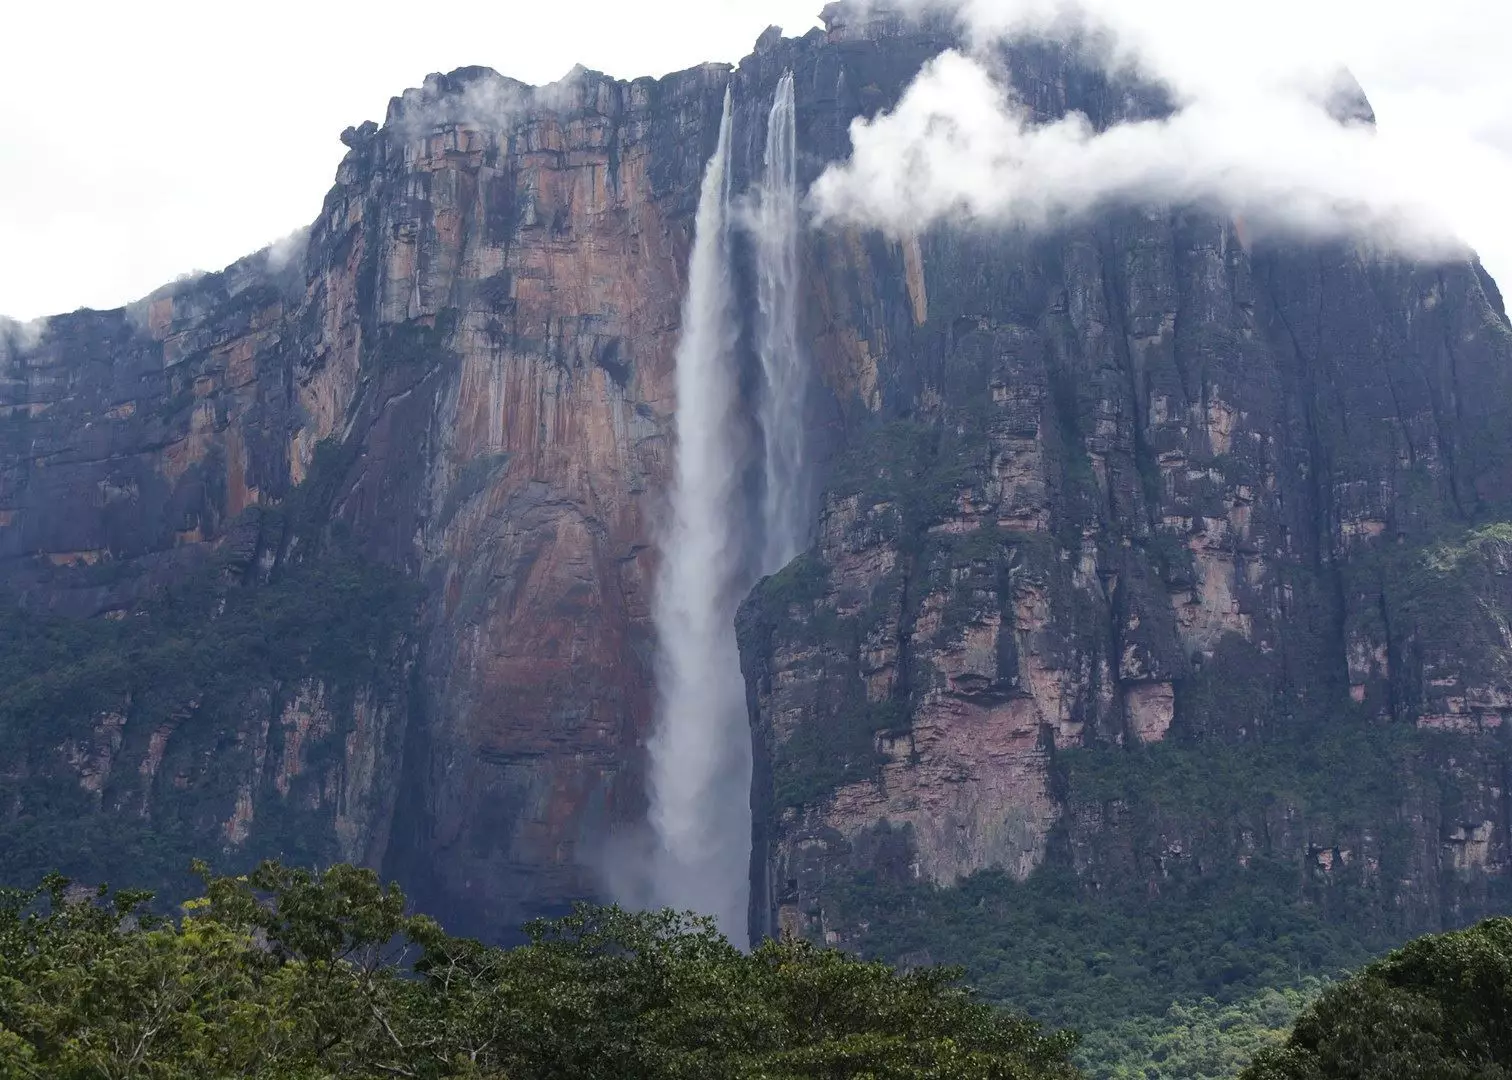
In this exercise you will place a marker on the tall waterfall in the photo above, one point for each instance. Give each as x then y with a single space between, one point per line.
775 229
701 750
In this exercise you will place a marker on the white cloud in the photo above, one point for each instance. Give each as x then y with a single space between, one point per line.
958 145
173 134
1250 135
490 99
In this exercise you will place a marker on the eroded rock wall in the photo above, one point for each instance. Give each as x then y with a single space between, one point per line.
464 375
1140 484
1145 482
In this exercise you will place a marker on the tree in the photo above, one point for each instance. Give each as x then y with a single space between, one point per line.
294 974
1439 1007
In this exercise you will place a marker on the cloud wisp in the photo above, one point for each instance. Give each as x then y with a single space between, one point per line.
18 337
1256 131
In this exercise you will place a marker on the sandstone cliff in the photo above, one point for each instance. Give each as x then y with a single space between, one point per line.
464 376
1148 553
1140 486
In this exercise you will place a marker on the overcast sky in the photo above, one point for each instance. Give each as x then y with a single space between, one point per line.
143 140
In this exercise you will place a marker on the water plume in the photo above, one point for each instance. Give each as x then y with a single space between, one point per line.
700 769
774 225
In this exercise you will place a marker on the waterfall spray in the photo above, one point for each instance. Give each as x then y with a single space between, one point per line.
700 774
700 752
775 228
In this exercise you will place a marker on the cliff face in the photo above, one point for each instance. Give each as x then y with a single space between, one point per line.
1155 488
1136 485
463 373
529 272
1148 554
464 376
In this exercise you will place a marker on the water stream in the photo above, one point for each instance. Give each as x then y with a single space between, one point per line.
701 751
785 377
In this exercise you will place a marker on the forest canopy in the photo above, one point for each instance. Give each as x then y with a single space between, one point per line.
1439 1007
292 974
307 975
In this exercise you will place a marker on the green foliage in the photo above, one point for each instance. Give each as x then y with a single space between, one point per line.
1110 948
966 568
917 471
199 663
1172 557
1182 904
1451 593
1095 961
1447 557
284 973
1202 1041
920 468
834 745
828 750
1113 960
803 581
1441 1007
1348 772
309 504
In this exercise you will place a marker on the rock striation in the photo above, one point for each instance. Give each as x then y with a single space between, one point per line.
465 375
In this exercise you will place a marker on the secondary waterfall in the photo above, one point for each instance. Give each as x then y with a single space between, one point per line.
775 231
701 750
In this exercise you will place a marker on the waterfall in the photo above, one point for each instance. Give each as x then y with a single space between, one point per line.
700 769
775 228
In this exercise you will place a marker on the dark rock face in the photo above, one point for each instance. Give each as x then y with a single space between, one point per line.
1136 484
1077 489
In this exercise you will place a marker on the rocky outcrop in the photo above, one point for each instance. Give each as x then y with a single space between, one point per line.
463 371
236 713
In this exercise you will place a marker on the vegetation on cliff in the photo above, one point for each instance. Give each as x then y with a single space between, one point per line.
1185 985
197 667
1195 891
286 973
1177 964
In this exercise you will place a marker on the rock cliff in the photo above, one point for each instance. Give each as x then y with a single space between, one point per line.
1109 517
464 375
1147 553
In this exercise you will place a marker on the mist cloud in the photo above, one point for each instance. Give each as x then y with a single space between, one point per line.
18 336
482 99
287 250
1256 132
